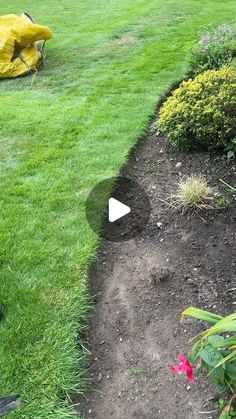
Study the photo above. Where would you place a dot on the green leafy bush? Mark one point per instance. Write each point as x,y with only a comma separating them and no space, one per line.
201,112
216,349
214,50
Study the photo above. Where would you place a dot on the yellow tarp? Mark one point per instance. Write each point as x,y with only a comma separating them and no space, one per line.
19,49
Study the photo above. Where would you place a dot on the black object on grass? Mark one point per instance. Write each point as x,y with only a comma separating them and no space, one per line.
1,311
9,403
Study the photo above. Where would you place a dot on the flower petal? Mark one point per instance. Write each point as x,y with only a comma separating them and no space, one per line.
184,366
179,369
182,357
189,373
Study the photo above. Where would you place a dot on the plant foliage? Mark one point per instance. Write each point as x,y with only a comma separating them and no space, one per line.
200,114
216,347
214,50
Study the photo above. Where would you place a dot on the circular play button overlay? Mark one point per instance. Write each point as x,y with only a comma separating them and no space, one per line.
119,215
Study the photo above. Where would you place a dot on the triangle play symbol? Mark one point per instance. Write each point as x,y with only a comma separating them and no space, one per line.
117,210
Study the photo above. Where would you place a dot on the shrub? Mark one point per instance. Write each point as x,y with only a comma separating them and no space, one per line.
201,112
216,348
215,49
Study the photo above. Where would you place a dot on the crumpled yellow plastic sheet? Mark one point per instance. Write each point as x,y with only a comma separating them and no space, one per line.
20,51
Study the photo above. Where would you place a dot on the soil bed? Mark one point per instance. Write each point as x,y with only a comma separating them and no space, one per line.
143,285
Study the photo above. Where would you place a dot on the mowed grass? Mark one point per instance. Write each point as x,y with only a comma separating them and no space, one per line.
108,65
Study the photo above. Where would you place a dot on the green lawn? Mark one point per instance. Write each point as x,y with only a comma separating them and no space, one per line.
108,65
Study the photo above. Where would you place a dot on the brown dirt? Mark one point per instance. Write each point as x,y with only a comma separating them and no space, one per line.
143,285
126,40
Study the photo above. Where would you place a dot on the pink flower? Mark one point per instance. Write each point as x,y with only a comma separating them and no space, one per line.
184,366
205,38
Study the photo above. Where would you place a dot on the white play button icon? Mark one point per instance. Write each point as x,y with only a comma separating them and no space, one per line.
117,210
122,217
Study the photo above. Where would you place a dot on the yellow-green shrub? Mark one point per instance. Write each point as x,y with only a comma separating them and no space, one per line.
201,113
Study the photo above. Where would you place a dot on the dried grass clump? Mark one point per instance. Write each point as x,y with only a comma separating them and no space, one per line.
194,193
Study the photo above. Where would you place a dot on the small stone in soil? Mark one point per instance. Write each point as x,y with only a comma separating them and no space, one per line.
100,377
178,165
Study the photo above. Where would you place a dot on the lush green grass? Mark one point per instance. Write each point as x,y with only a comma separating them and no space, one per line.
108,64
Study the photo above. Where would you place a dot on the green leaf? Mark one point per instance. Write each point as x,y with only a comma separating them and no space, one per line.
230,155
225,360
230,370
216,341
202,315
228,147
217,376
225,343
210,356
226,324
